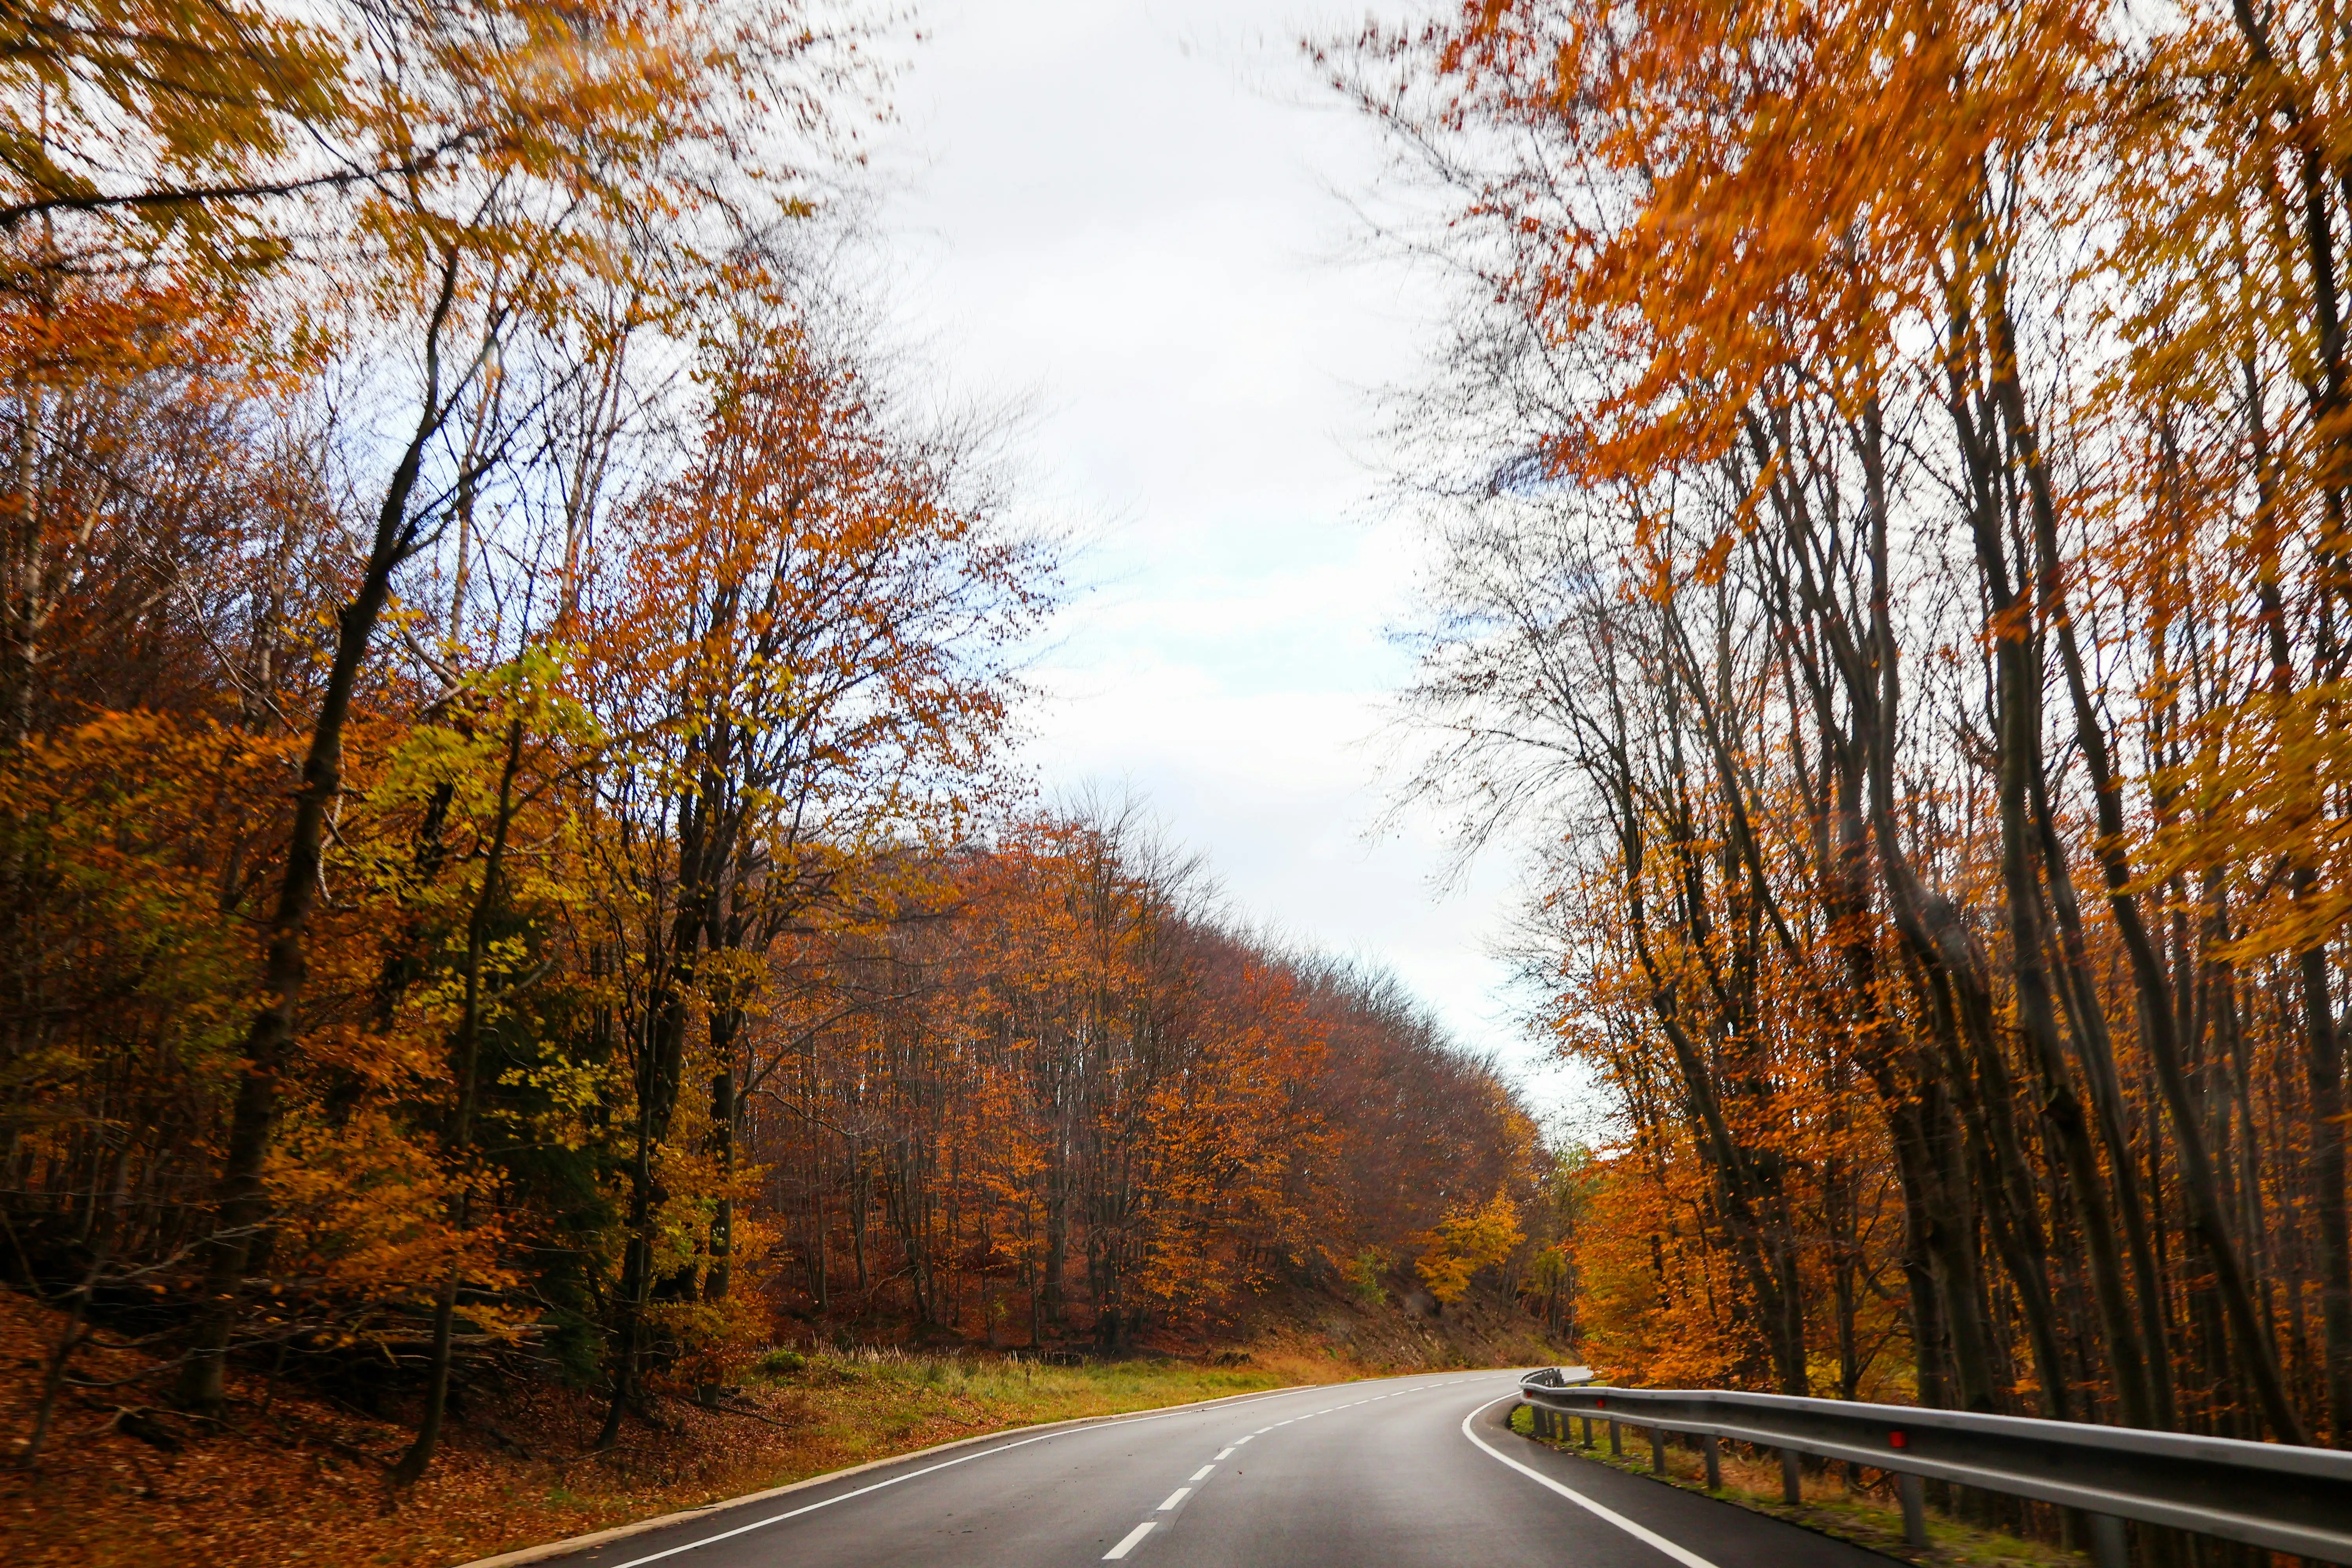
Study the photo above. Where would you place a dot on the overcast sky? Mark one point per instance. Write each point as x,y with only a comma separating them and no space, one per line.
1127,216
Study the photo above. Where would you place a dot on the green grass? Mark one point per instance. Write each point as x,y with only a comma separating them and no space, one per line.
1019,1388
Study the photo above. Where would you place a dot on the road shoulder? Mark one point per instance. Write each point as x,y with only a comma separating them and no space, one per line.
1720,1533
1007,1436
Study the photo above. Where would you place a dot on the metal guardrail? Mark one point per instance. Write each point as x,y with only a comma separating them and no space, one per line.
2265,1494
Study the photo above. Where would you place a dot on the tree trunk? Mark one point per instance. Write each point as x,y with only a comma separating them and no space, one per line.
2206,1221
466,1060
2324,1064
240,1205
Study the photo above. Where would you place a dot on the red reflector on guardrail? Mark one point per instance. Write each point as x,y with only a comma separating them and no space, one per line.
1895,1440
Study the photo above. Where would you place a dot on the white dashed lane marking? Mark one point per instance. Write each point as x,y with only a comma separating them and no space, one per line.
1135,1537
1128,1542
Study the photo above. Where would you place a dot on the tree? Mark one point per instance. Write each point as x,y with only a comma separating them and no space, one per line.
486,253
1883,586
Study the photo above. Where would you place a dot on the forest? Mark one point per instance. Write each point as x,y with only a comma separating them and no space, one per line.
515,859
1889,465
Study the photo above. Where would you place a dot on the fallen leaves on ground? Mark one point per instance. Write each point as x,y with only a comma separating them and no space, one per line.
291,1478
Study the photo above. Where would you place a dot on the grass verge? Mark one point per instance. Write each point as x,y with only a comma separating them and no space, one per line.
1860,1517
289,1479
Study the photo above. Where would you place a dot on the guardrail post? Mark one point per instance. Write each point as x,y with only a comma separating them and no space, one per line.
1792,1478
1713,1451
1658,1449
1616,1440
1588,1431
2108,1542
1914,1510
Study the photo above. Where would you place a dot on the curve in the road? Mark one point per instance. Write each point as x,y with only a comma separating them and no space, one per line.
1368,1474
1639,1533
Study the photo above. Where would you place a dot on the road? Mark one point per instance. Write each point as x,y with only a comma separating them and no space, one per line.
1411,1471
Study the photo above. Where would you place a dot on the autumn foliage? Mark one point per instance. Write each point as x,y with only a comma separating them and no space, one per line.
1085,1102
1890,480
511,861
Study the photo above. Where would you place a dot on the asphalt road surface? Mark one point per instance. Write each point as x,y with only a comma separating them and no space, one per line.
1413,1471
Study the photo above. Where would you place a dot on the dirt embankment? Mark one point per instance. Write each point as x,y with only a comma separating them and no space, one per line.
292,1476
1402,1330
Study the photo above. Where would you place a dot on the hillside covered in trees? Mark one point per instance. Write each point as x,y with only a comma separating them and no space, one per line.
1890,471
512,856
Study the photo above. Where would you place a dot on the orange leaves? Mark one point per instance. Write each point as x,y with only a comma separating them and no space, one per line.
363,1205
1920,643
1752,186
1079,1063
814,600
1186,1047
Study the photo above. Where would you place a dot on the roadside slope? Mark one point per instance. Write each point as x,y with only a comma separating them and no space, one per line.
294,1478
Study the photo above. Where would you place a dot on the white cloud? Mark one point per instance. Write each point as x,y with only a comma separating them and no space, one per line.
1118,210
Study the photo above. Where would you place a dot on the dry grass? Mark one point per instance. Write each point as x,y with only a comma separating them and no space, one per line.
292,1479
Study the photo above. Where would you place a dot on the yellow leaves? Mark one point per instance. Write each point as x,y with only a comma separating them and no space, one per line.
116,828
119,110
2250,795
1548,1270
1464,1243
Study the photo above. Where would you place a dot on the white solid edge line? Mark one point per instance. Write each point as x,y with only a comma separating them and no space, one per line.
1126,1542
908,1476
1203,1473
1178,1495
1646,1537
